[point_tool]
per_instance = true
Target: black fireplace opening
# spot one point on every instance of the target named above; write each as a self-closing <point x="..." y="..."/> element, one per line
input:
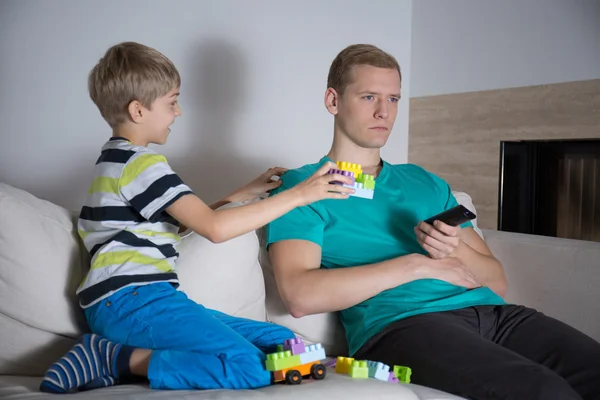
<point x="550" y="188"/>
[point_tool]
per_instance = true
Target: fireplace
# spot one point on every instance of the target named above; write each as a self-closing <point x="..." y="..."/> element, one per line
<point x="550" y="188"/>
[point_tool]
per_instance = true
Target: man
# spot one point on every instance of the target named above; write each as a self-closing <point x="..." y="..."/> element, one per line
<point x="409" y="293"/>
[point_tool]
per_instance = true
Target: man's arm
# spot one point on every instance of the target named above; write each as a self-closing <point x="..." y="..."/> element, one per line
<point x="476" y="255"/>
<point x="306" y="289"/>
<point x="442" y="241"/>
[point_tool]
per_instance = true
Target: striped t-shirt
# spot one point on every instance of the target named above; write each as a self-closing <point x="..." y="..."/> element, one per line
<point x="124" y="226"/>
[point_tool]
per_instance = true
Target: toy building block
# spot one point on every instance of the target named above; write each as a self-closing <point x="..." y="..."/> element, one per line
<point x="345" y="173"/>
<point x="295" y="345"/>
<point x="359" y="369"/>
<point x="346" y="166"/>
<point x="402" y="373"/>
<point x="378" y="370"/>
<point x="367" y="181"/>
<point x="314" y="352"/>
<point x="281" y="360"/>
<point x="363" y="184"/>
<point x="331" y="363"/>
<point x="342" y="366"/>
<point x="392" y="378"/>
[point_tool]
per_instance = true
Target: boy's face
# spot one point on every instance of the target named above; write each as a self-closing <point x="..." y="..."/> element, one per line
<point x="367" y="110"/>
<point x="160" y="116"/>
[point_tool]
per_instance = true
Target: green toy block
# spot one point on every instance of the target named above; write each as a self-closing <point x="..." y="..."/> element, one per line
<point x="402" y="373"/>
<point x="368" y="181"/>
<point x="359" y="369"/>
<point x="281" y="360"/>
<point x="280" y="348"/>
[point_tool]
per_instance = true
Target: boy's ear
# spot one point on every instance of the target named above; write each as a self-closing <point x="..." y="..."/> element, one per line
<point x="136" y="111"/>
<point x="331" y="101"/>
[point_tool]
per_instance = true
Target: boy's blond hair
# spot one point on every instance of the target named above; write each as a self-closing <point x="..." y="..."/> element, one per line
<point x="340" y="72"/>
<point x="130" y="71"/>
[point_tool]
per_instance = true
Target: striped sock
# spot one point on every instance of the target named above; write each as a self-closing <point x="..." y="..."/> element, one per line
<point x="92" y="363"/>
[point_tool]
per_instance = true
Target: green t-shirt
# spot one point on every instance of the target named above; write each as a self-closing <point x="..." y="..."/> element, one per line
<point x="358" y="231"/>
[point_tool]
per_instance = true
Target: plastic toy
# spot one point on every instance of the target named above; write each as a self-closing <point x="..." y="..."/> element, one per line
<point x="379" y="370"/>
<point x="359" y="369"/>
<point x="342" y="366"/>
<point x="402" y="373"/>
<point x="372" y="369"/>
<point x="363" y="184"/>
<point x="295" y="361"/>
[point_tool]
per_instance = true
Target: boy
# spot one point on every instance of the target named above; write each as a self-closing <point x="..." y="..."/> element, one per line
<point x="136" y="206"/>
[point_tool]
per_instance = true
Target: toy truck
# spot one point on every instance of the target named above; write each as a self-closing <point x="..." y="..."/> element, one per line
<point x="295" y="360"/>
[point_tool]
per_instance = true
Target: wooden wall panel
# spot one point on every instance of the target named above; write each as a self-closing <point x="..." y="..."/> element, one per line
<point x="457" y="136"/>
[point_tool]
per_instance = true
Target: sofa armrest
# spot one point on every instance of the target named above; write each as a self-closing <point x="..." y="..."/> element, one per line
<point x="559" y="277"/>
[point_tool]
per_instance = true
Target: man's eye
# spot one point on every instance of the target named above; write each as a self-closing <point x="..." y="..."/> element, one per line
<point x="394" y="99"/>
<point x="368" y="97"/>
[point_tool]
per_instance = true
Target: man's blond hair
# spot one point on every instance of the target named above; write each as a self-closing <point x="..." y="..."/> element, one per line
<point x="340" y="72"/>
<point x="130" y="71"/>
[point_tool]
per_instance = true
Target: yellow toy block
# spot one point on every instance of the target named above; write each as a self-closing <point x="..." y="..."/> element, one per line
<point x="346" y="166"/>
<point x="342" y="366"/>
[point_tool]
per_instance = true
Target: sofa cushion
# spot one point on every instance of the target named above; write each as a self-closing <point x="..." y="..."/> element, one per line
<point x="224" y="276"/>
<point x="40" y="269"/>
<point x="324" y="328"/>
<point x="334" y="386"/>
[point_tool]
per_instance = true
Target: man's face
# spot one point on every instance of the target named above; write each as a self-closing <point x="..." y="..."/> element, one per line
<point x="367" y="109"/>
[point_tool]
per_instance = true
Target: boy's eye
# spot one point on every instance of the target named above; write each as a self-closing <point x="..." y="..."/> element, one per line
<point x="394" y="99"/>
<point x="368" y="97"/>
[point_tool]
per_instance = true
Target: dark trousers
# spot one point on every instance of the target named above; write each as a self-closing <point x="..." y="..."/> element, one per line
<point x="492" y="352"/>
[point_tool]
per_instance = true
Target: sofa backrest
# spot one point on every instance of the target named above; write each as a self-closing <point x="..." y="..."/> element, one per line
<point x="42" y="262"/>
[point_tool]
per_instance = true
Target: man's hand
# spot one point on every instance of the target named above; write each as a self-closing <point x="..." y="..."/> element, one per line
<point x="439" y="240"/>
<point x="450" y="269"/>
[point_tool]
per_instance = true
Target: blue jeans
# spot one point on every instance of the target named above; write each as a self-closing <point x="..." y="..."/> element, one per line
<point x="193" y="347"/>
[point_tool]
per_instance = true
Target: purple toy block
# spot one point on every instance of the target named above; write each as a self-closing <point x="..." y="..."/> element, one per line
<point x="295" y="345"/>
<point x="349" y="174"/>
<point x="392" y="378"/>
<point x="331" y="364"/>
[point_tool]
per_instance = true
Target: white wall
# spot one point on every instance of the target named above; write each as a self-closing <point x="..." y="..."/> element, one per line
<point x="470" y="45"/>
<point x="253" y="72"/>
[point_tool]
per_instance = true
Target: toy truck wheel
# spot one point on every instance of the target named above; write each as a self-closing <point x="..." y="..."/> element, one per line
<point x="318" y="371"/>
<point x="293" y="377"/>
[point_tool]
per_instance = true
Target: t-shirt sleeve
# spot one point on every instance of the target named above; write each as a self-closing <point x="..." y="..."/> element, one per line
<point x="302" y="223"/>
<point x="149" y="185"/>
<point x="447" y="199"/>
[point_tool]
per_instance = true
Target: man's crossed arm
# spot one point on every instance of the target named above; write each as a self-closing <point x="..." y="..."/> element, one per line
<point x="306" y="289"/>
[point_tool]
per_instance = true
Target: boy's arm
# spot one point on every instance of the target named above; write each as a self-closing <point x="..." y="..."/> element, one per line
<point x="222" y="225"/>
<point x="306" y="289"/>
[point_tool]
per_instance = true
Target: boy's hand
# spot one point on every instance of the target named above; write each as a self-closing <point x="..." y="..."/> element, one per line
<point x="262" y="184"/>
<point x="439" y="240"/>
<point x="318" y="187"/>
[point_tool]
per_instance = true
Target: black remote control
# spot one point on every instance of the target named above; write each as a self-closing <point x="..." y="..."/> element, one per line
<point x="454" y="216"/>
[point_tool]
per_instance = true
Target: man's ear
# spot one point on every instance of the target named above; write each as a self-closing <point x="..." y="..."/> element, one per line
<point x="331" y="101"/>
<point x="136" y="111"/>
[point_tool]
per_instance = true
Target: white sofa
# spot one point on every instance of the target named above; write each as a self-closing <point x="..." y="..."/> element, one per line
<point x="42" y="262"/>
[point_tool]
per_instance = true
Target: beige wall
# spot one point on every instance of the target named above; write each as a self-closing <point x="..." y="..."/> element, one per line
<point x="457" y="136"/>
